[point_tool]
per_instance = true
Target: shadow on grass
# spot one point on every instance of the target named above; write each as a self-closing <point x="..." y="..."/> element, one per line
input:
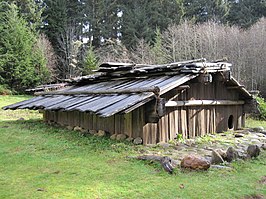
<point x="38" y="127"/>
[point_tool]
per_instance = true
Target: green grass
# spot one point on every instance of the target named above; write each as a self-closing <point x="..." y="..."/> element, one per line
<point x="251" y="123"/>
<point x="62" y="164"/>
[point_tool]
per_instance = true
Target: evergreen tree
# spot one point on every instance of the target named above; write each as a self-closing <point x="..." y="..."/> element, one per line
<point x="22" y="65"/>
<point x="141" y="18"/>
<point x="205" y="10"/>
<point x="245" y="13"/>
<point x="90" y="62"/>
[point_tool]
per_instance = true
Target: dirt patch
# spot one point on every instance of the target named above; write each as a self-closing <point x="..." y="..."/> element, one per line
<point x="255" y="196"/>
<point x="263" y="180"/>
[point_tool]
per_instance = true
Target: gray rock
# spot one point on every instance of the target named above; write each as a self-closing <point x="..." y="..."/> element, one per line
<point x="113" y="137"/>
<point x="69" y="128"/>
<point x="93" y="132"/>
<point x="216" y="158"/>
<point x="164" y="145"/>
<point x="253" y="151"/>
<point x="121" y="137"/>
<point x="231" y="154"/>
<point x="263" y="132"/>
<point x="137" y="141"/>
<point x="129" y="139"/>
<point x="256" y="142"/>
<point x="258" y="129"/>
<point x="101" y="133"/>
<point x="263" y="146"/>
<point x="84" y="131"/>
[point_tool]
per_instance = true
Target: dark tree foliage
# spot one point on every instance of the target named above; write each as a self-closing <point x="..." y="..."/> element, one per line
<point x="101" y="20"/>
<point x="204" y="10"/>
<point x="141" y="18"/>
<point x="244" y="13"/>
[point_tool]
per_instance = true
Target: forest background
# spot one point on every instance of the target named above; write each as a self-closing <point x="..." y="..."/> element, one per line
<point x="45" y="41"/>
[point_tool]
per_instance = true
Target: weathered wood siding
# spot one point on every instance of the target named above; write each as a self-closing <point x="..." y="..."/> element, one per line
<point x="192" y="121"/>
<point x="130" y="124"/>
<point x="189" y="121"/>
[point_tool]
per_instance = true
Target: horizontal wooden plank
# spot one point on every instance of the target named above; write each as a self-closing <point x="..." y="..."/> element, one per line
<point x="203" y="102"/>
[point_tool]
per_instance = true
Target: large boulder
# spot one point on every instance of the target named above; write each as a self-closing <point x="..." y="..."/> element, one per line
<point x="253" y="151"/>
<point x="195" y="163"/>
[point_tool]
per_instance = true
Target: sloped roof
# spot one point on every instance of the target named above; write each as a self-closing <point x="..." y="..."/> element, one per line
<point x="115" y="87"/>
<point x="104" y="104"/>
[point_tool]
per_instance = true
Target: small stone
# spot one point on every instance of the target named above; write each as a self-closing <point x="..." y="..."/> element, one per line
<point x="216" y="158"/>
<point x="113" y="137"/>
<point x="40" y="189"/>
<point x="195" y="163"/>
<point x="93" y="132"/>
<point x="129" y="139"/>
<point x="77" y="128"/>
<point x="263" y="132"/>
<point x="137" y="141"/>
<point x="263" y="146"/>
<point x="69" y="128"/>
<point x="256" y="142"/>
<point x="258" y="129"/>
<point x="231" y="154"/>
<point x="253" y="151"/>
<point x="121" y="137"/>
<point x="163" y="144"/>
<point x="101" y="133"/>
<point x="21" y="119"/>
<point x="239" y="135"/>
<point x="221" y="167"/>
<point x="84" y="131"/>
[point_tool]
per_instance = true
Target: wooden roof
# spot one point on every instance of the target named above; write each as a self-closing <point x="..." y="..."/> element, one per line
<point x="122" y="87"/>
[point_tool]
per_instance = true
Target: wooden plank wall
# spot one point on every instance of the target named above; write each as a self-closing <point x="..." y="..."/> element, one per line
<point x="130" y="124"/>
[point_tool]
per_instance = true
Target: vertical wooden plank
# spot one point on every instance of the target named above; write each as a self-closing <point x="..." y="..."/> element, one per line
<point x="172" y="125"/>
<point x="128" y="124"/>
<point x="117" y="124"/>
<point x="163" y="129"/>
<point x="184" y="122"/>
<point x="146" y="133"/>
<point x="95" y="122"/>
<point x="137" y="122"/>
<point x="44" y="116"/>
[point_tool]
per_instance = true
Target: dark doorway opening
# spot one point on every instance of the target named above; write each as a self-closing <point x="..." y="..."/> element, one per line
<point x="231" y="122"/>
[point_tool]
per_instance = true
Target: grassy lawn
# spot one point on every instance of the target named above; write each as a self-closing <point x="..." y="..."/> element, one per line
<point x="40" y="161"/>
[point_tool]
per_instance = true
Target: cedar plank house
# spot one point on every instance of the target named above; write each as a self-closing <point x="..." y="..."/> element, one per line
<point x="154" y="102"/>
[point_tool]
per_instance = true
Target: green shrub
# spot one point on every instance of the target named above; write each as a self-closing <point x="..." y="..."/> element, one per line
<point x="262" y="107"/>
<point x="4" y="90"/>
